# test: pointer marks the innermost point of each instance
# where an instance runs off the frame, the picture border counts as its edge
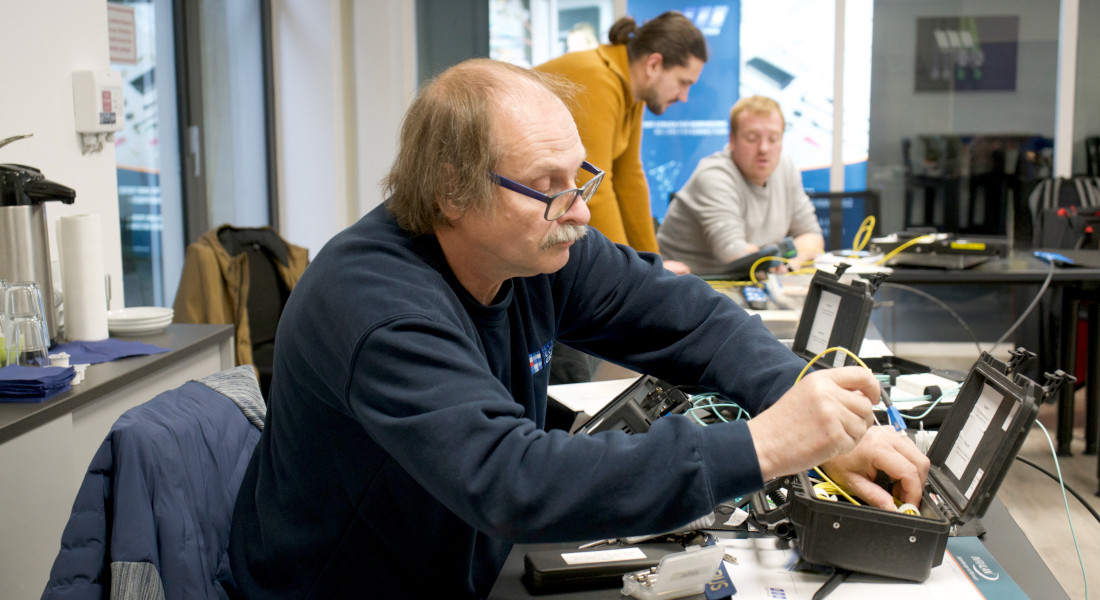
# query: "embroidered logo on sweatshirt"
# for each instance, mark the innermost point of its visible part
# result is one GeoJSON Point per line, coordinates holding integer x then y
{"type": "Point", "coordinates": [541, 357]}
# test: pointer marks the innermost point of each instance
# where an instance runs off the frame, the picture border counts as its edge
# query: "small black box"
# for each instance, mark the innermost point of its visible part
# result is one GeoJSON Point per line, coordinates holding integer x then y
{"type": "Point", "coordinates": [637, 407]}
{"type": "Point", "coordinates": [980, 436]}
{"type": "Point", "coordinates": [546, 571]}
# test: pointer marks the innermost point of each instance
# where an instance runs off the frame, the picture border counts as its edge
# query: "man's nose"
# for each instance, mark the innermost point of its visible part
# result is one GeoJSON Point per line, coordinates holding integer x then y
{"type": "Point", "coordinates": [578, 214]}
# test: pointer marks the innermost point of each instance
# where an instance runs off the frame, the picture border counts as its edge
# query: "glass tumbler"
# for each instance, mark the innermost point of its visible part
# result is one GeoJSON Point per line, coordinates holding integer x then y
{"type": "Point", "coordinates": [27, 342]}
{"type": "Point", "coordinates": [24, 299]}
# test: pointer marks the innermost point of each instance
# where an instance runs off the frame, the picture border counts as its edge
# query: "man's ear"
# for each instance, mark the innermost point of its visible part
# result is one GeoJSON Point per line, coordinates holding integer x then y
{"type": "Point", "coordinates": [654, 63]}
{"type": "Point", "coordinates": [445, 200]}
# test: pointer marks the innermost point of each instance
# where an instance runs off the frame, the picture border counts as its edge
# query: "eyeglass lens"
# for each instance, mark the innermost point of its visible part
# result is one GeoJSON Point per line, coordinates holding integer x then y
{"type": "Point", "coordinates": [561, 204]}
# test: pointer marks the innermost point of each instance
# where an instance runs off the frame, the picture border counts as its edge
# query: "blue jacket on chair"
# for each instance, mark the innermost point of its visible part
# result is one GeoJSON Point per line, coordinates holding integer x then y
{"type": "Point", "coordinates": [151, 518]}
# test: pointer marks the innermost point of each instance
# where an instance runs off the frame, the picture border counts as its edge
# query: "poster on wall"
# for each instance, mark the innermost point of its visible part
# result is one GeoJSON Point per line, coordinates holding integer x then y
{"type": "Point", "coordinates": [675, 141]}
{"type": "Point", "coordinates": [966, 54]}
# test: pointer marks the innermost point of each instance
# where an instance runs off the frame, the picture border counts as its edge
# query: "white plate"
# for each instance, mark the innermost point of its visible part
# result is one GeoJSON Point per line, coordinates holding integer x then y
{"type": "Point", "coordinates": [138, 330]}
{"type": "Point", "coordinates": [139, 314]}
{"type": "Point", "coordinates": [140, 325]}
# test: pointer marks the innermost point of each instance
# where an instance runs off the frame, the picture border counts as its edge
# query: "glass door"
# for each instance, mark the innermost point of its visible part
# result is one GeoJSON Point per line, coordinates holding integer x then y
{"type": "Point", "coordinates": [147, 151]}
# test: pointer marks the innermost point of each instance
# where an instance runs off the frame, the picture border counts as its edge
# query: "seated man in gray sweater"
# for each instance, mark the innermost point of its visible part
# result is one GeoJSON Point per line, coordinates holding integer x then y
{"type": "Point", "coordinates": [744, 197]}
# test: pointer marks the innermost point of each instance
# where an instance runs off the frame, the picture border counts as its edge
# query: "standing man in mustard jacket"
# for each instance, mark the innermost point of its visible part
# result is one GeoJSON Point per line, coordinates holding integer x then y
{"type": "Point", "coordinates": [649, 66]}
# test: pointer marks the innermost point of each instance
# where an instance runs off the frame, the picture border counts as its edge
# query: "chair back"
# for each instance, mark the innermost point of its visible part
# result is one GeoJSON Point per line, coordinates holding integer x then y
{"type": "Point", "coordinates": [152, 516]}
{"type": "Point", "coordinates": [842, 213]}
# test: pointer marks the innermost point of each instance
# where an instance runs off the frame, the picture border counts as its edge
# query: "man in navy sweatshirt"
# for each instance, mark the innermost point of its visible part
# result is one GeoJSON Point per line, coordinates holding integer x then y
{"type": "Point", "coordinates": [405, 442]}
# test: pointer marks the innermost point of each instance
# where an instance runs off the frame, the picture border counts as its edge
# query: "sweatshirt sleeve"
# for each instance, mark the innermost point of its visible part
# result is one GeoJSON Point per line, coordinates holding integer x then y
{"type": "Point", "coordinates": [463, 438]}
{"type": "Point", "coordinates": [460, 434]}
{"type": "Point", "coordinates": [802, 211]}
{"type": "Point", "coordinates": [718, 204]}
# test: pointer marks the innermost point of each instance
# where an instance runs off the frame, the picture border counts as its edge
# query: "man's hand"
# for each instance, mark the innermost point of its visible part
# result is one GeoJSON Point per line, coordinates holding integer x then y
{"type": "Point", "coordinates": [886, 450]}
{"type": "Point", "coordinates": [677, 267]}
{"type": "Point", "coordinates": [824, 415]}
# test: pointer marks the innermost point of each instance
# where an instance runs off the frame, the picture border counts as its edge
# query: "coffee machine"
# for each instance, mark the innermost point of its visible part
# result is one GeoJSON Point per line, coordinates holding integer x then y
{"type": "Point", "coordinates": [24, 246]}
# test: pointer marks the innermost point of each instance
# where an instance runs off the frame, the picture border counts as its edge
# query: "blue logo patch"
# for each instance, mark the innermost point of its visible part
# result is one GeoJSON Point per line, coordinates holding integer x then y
{"type": "Point", "coordinates": [541, 357]}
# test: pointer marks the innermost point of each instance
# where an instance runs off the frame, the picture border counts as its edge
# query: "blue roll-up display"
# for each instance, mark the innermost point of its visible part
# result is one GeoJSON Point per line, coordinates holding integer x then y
{"type": "Point", "coordinates": [673, 143]}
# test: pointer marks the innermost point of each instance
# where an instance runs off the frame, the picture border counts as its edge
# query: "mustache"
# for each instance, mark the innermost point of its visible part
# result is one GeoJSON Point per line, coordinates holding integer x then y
{"type": "Point", "coordinates": [565, 233]}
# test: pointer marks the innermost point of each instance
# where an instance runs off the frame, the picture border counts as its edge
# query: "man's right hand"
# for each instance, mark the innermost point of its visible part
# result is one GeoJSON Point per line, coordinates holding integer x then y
{"type": "Point", "coordinates": [822, 416]}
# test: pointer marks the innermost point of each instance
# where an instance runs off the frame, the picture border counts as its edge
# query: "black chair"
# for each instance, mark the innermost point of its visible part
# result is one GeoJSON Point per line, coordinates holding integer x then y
{"type": "Point", "coordinates": [937, 184]}
{"type": "Point", "coordinates": [1092, 156]}
{"type": "Point", "coordinates": [831, 207]}
{"type": "Point", "coordinates": [153, 513]}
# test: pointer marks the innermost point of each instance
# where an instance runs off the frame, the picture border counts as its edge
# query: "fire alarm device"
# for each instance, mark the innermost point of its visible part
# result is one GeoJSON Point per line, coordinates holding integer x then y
{"type": "Point", "coordinates": [97, 106]}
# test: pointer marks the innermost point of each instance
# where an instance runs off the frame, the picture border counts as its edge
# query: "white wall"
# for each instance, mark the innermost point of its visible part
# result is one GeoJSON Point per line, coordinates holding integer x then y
{"type": "Point", "coordinates": [385, 84]}
{"type": "Point", "coordinates": [312, 130]}
{"type": "Point", "coordinates": [335, 59]}
{"type": "Point", "coordinates": [345, 73]}
{"type": "Point", "coordinates": [41, 43]}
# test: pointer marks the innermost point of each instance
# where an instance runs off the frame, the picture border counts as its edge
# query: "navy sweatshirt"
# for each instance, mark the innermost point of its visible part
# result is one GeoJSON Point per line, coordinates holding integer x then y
{"type": "Point", "coordinates": [404, 444]}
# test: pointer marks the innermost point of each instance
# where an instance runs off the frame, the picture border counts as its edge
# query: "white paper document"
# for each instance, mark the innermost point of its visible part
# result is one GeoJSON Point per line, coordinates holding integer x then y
{"type": "Point", "coordinates": [763, 572]}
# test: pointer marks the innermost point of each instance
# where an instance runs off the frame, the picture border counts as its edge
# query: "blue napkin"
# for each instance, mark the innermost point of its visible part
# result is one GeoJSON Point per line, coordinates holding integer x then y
{"type": "Point", "coordinates": [92, 353]}
{"type": "Point", "coordinates": [33, 384]}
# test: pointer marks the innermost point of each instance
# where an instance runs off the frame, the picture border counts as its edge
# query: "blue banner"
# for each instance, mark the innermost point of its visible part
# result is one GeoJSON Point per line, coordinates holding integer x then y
{"type": "Point", "coordinates": [673, 143]}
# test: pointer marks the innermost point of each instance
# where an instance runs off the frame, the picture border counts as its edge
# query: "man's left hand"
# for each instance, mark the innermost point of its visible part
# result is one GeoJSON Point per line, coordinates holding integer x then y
{"type": "Point", "coordinates": [677, 267]}
{"type": "Point", "coordinates": [886, 450]}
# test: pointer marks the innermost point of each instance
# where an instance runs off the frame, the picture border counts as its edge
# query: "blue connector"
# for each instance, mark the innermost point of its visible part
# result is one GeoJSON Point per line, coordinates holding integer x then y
{"type": "Point", "coordinates": [892, 412]}
{"type": "Point", "coordinates": [895, 418]}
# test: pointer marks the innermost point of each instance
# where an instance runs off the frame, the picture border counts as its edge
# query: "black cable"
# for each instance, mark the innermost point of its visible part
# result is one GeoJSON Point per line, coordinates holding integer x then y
{"type": "Point", "coordinates": [837, 578]}
{"type": "Point", "coordinates": [1030, 307]}
{"type": "Point", "coordinates": [925, 294]}
{"type": "Point", "coordinates": [1072, 491]}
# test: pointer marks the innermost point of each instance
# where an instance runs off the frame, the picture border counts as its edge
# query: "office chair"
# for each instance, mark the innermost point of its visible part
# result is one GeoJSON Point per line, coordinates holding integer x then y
{"type": "Point", "coordinates": [831, 207]}
{"type": "Point", "coordinates": [151, 518]}
{"type": "Point", "coordinates": [1092, 156]}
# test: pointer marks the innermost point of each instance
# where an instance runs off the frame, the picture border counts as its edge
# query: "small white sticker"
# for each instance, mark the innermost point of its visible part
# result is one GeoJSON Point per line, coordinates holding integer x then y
{"type": "Point", "coordinates": [600, 556]}
{"type": "Point", "coordinates": [974, 484]}
{"type": "Point", "coordinates": [1011, 414]}
{"type": "Point", "coordinates": [821, 329]}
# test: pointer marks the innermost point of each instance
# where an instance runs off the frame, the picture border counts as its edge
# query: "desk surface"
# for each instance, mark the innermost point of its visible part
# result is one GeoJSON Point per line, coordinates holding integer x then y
{"type": "Point", "coordinates": [1020, 267]}
{"type": "Point", "coordinates": [1004, 540]}
{"type": "Point", "coordinates": [104, 378]}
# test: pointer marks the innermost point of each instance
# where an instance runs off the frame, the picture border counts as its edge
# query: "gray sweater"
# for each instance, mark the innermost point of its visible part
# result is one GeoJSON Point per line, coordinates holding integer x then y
{"type": "Point", "coordinates": [718, 213]}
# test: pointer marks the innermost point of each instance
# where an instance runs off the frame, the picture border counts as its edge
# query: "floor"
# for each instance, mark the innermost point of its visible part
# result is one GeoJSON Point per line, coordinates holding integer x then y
{"type": "Point", "coordinates": [1035, 501]}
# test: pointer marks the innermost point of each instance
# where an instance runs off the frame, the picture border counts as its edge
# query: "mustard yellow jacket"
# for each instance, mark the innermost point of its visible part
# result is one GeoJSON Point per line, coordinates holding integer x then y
{"type": "Point", "coordinates": [609, 120]}
{"type": "Point", "coordinates": [214, 287]}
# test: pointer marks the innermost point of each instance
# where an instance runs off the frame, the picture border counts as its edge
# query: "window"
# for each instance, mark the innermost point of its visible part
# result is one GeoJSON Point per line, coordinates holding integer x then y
{"type": "Point", "coordinates": [195, 150]}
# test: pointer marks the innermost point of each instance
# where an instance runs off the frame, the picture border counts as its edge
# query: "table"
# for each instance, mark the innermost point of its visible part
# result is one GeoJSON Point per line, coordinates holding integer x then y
{"type": "Point", "coordinates": [1072, 285]}
{"type": "Point", "coordinates": [1003, 538]}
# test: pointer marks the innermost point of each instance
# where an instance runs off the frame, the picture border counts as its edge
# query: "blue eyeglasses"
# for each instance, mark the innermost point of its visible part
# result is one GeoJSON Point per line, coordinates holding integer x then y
{"type": "Point", "coordinates": [560, 203]}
